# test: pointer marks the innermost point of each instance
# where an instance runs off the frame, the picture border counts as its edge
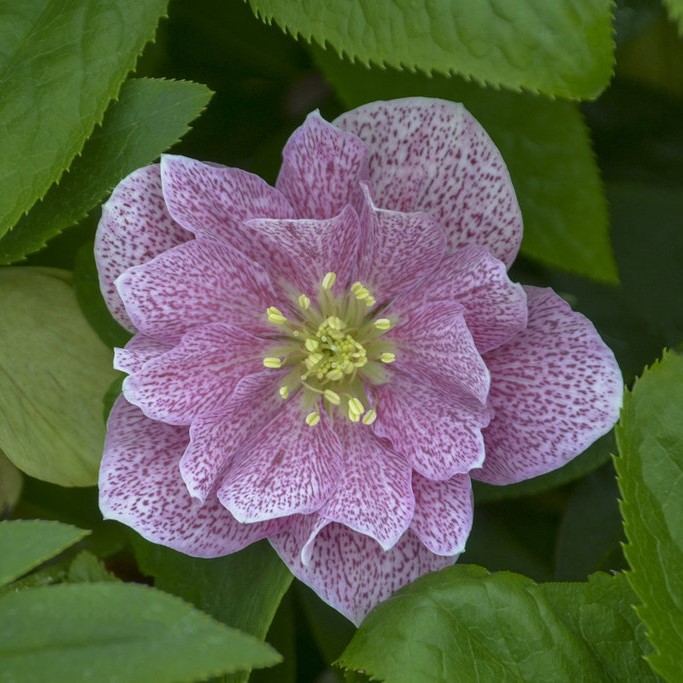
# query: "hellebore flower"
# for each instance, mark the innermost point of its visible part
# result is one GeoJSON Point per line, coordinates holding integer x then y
{"type": "Point", "coordinates": [327, 362]}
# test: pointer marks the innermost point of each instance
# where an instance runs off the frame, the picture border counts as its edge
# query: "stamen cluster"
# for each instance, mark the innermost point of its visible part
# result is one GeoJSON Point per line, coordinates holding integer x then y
{"type": "Point", "coordinates": [333, 349]}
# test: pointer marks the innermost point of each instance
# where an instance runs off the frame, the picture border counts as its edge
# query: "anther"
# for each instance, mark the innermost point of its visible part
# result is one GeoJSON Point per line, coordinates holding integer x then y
{"type": "Point", "coordinates": [335, 323]}
{"type": "Point", "coordinates": [382, 323]}
{"type": "Point", "coordinates": [284, 392]}
{"type": "Point", "coordinates": [313, 418]}
{"type": "Point", "coordinates": [332, 397]}
{"type": "Point", "coordinates": [370, 301]}
{"type": "Point", "coordinates": [370, 416]}
{"type": "Point", "coordinates": [272, 362]}
{"type": "Point", "coordinates": [311, 344]}
{"type": "Point", "coordinates": [356, 407]}
{"type": "Point", "coordinates": [304, 302]}
{"type": "Point", "coordinates": [334, 374]}
{"type": "Point", "coordinates": [328, 280]}
{"type": "Point", "coordinates": [387, 357]}
{"type": "Point", "coordinates": [275, 316]}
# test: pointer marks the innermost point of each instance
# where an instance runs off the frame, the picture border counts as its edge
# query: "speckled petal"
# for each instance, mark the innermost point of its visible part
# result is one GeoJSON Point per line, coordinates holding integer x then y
{"type": "Point", "coordinates": [137, 352]}
{"type": "Point", "coordinates": [374, 496]}
{"type": "Point", "coordinates": [196, 283]}
{"type": "Point", "coordinates": [198, 376]}
{"type": "Point", "coordinates": [495, 307]}
{"type": "Point", "coordinates": [350, 571]}
{"type": "Point", "coordinates": [398, 249]}
{"type": "Point", "coordinates": [214, 439]}
{"type": "Point", "coordinates": [321, 168]}
{"type": "Point", "coordinates": [443, 513]}
{"type": "Point", "coordinates": [555, 388]}
{"type": "Point", "coordinates": [288, 468]}
{"type": "Point", "coordinates": [140, 486]}
{"type": "Point", "coordinates": [134, 228]}
{"type": "Point", "coordinates": [431, 155]}
{"type": "Point", "coordinates": [300, 252]}
{"type": "Point", "coordinates": [434, 345]}
{"type": "Point", "coordinates": [440, 437]}
{"type": "Point", "coordinates": [213, 200]}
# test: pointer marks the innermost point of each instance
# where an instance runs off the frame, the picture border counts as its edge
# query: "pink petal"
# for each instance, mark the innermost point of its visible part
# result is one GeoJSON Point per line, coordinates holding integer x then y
{"type": "Point", "coordinates": [321, 168]}
{"type": "Point", "coordinates": [140, 486]}
{"type": "Point", "coordinates": [287, 468]}
{"type": "Point", "coordinates": [213, 200]}
{"type": "Point", "coordinates": [198, 376]}
{"type": "Point", "coordinates": [398, 249]}
{"type": "Point", "coordinates": [439, 436]}
{"type": "Point", "coordinates": [134, 228]}
{"type": "Point", "coordinates": [137, 352]}
{"type": "Point", "coordinates": [374, 495]}
{"type": "Point", "coordinates": [350, 571]}
{"type": "Point", "coordinates": [193, 284]}
{"type": "Point", "coordinates": [443, 513]}
{"type": "Point", "coordinates": [432, 156]}
{"type": "Point", "coordinates": [214, 439]}
{"type": "Point", "coordinates": [302, 251]}
{"type": "Point", "coordinates": [434, 345]}
{"type": "Point", "coordinates": [555, 388]}
{"type": "Point", "coordinates": [495, 307]}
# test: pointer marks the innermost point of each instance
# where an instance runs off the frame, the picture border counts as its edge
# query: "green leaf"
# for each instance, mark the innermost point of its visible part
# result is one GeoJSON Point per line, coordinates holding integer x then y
{"type": "Point", "coordinates": [650, 470]}
{"type": "Point", "coordinates": [560, 48]}
{"type": "Point", "coordinates": [84, 632]}
{"type": "Point", "coordinates": [60, 65]}
{"type": "Point", "coordinates": [675, 8]}
{"type": "Point", "coordinates": [464, 624]}
{"type": "Point", "coordinates": [242, 590]}
{"type": "Point", "coordinates": [545, 145]}
{"type": "Point", "coordinates": [590, 534]}
{"type": "Point", "coordinates": [86, 568]}
{"type": "Point", "coordinates": [11, 483]}
{"type": "Point", "coordinates": [149, 116]}
{"type": "Point", "coordinates": [91, 301]}
{"type": "Point", "coordinates": [26, 544]}
{"type": "Point", "coordinates": [53, 374]}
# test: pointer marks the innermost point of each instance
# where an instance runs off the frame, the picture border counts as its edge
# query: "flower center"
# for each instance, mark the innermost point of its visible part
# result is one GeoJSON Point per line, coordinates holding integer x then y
{"type": "Point", "coordinates": [333, 349]}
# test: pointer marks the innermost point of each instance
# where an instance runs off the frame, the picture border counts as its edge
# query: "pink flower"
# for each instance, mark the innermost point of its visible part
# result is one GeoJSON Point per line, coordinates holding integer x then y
{"type": "Point", "coordinates": [326, 363]}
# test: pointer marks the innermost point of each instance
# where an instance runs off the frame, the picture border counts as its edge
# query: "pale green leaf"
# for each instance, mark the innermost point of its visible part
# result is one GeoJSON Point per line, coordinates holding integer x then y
{"type": "Point", "coordinates": [545, 145]}
{"type": "Point", "coordinates": [60, 65]}
{"type": "Point", "coordinates": [242, 590]}
{"type": "Point", "coordinates": [54, 371]}
{"type": "Point", "coordinates": [85, 632]}
{"type": "Point", "coordinates": [149, 116]}
{"type": "Point", "coordinates": [466, 625]}
{"type": "Point", "coordinates": [650, 469]}
{"type": "Point", "coordinates": [675, 8]}
{"type": "Point", "coordinates": [560, 48]}
{"type": "Point", "coordinates": [25, 544]}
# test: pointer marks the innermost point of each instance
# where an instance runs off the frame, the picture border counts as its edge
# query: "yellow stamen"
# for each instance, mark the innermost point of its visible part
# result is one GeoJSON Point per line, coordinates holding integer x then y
{"type": "Point", "coordinates": [370, 301]}
{"type": "Point", "coordinates": [304, 302]}
{"type": "Point", "coordinates": [356, 407]}
{"type": "Point", "coordinates": [311, 344]}
{"type": "Point", "coordinates": [313, 418]}
{"type": "Point", "coordinates": [370, 416]}
{"type": "Point", "coordinates": [354, 417]}
{"type": "Point", "coordinates": [332, 397]}
{"type": "Point", "coordinates": [275, 316]}
{"type": "Point", "coordinates": [334, 374]}
{"type": "Point", "coordinates": [328, 280]}
{"type": "Point", "coordinates": [388, 357]}
{"type": "Point", "coordinates": [272, 362]}
{"type": "Point", "coordinates": [335, 323]}
{"type": "Point", "coordinates": [284, 392]}
{"type": "Point", "coordinates": [382, 323]}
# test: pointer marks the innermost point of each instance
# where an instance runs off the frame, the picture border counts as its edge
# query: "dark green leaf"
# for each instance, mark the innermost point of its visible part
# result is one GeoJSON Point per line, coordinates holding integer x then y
{"type": "Point", "coordinates": [26, 544]}
{"type": "Point", "coordinates": [464, 624]}
{"type": "Point", "coordinates": [149, 116]}
{"type": "Point", "coordinates": [11, 482]}
{"type": "Point", "coordinates": [545, 145]}
{"type": "Point", "coordinates": [560, 48]}
{"type": "Point", "coordinates": [60, 65]}
{"type": "Point", "coordinates": [650, 469]}
{"type": "Point", "coordinates": [84, 632]}
{"type": "Point", "coordinates": [53, 374]}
